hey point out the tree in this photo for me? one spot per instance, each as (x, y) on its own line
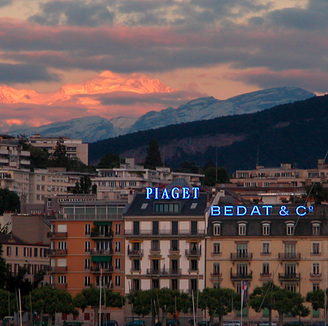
(141, 302)
(83, 186)
(153, 158)
(317, 299)
(90, 297)
(275, 298)
(48, 300)
(213, 175)
(7, 303)
(219, 301)
(318, 192)
(59, 157)
(9, 201)
(109, 161)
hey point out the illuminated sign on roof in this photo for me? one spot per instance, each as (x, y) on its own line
(174, 193)
(264, 210)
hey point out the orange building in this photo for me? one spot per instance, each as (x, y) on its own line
(87, 240)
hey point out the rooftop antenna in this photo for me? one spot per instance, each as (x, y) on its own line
(258, 157)
(324, 159)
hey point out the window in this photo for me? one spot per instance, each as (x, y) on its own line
(155, 283)
(87, 281)
(315, 248)
(174, 266)
(290, 228)
(316, 269)
(135, 284)
(216, 268)
(174, 284)
(265, 269)
(242, 250)
(194, 285)
(135, 265)
(216, 248)
(87, 229)
(290, 250)
(193, 264)
(290, 269)
(62, 245)
(35, 252)
(167, 208)
(117, 246)
(62, 279)
(117, 280)
(315, 287)
(87, 263)
(174, 245)
(242, 229)
(118, 229)
(291, 287)
(266, 248)
(136, 227)
(266, 229)
(155, 245)
(194, 227)
(216, 229)
(155, 227)
(87, 246)
(8, 251)
(117, 263)
(16, 251)
(315, 228)
(175, 229)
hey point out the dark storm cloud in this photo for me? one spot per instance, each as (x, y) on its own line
(77, 13)
(24, 73)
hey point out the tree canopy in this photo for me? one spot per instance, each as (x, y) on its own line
(153, 158)
(9, 201)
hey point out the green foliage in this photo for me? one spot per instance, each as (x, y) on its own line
(59, 157)
(219, 301)
(7, 303)
(109, 161)
(49, 300)
(213, 176)
(317, 299)
(318, 192)
(83, 186)
(141, 302)
(39, 157)
(9, 201)
(189, 167)
(153, 158)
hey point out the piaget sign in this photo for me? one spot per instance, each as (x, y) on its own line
(174, 193)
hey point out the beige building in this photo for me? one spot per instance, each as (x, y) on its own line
(290, 250)
(75, 148)
(12, 155)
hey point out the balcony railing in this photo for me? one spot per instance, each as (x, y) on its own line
(135, 253)
(241, 256)
(216, 274)
(241, 276)
(316, 275)
(58, 269)
(157, 272)
(175, 271)
(57, 252)
(101, 252)
(289, 256)
(57, 235)
(97, 269)
(99, 235)
(165, 233)
(193, 252)
(289, 276)
(266, 275)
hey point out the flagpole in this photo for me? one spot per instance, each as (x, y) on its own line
(241, 303)
(100, 283)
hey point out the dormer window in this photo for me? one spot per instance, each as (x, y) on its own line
(266, 228)
(217, 229)
(242, 228)
(290, 228)
(316, 228)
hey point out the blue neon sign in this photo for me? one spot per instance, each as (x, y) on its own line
(174, 193)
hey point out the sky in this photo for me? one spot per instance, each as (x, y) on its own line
(186, 48)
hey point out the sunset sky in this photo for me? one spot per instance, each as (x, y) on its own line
(191, 48)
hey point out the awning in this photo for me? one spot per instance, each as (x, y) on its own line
(102, 223)
(96, 259)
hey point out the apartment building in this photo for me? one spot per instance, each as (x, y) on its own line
(165, 243)
(75, 148)
(87, 238)
(12, 155)
(267, 243)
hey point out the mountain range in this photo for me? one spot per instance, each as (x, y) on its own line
(295, 133)
(94, 128)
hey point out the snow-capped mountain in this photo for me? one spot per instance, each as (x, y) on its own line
(209, 108)
(94, 128)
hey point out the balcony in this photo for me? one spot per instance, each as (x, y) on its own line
(98, 270)
(101, 252)
(291, 256)
(96, 235)
(289, 276)
(58, 252)
(157, 272)
(241, 256)
(316, 276)
(193, 252)
(175, 271)
(57, 235)
(58, 269)
(266, 275)
(135, 253)
(164, 234)
(217, 275)
(241, 276)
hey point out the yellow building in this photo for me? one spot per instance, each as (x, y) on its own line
(267, 243)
